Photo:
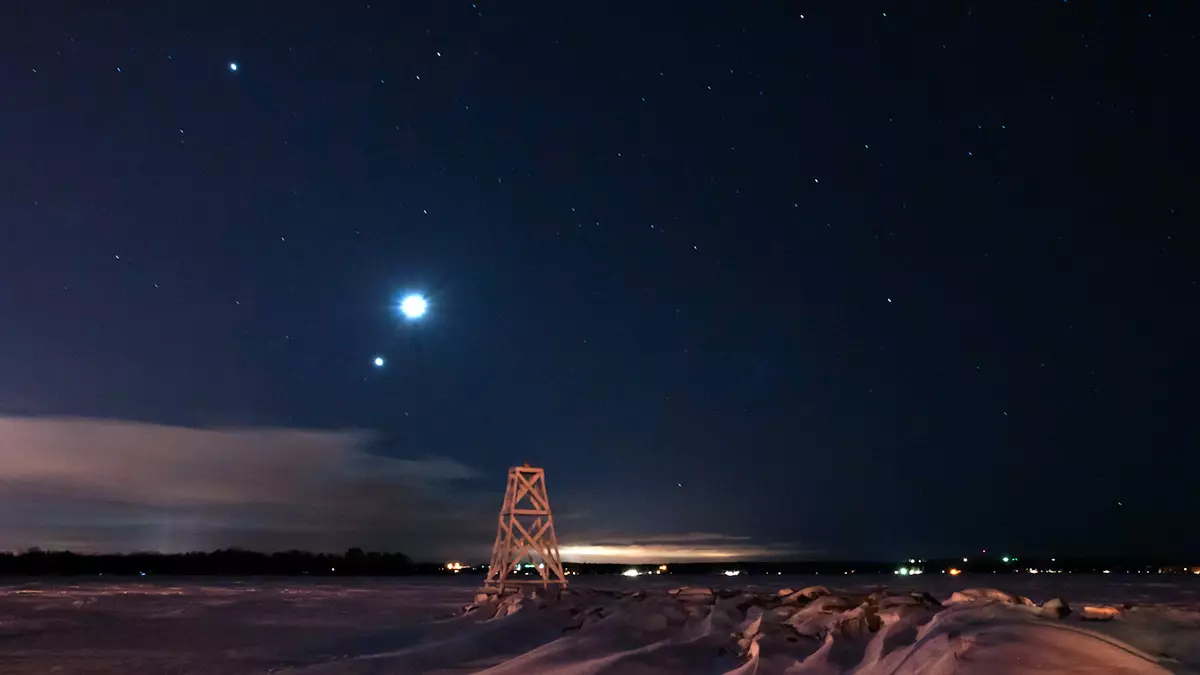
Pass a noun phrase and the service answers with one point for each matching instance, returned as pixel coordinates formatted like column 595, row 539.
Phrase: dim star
column 413, row 306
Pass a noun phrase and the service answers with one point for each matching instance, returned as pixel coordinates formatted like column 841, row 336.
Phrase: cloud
column 104, row 485
column 683, row 547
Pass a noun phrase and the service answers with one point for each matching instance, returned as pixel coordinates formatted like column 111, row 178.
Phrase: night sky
column 805, row 280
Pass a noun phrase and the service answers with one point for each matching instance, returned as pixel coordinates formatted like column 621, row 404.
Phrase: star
column 233, row 66
column 379, row 361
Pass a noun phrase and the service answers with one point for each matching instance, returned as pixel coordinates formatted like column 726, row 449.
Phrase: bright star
column 379, row 362
column 233, row 66
column 413, row 306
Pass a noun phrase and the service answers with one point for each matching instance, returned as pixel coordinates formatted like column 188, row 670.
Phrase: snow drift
column 810, row 631
column 381, row 627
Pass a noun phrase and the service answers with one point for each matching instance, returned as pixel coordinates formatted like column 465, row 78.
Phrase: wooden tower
column 525, row 534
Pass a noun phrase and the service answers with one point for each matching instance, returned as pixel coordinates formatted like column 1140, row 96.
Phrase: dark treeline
column 225, row 562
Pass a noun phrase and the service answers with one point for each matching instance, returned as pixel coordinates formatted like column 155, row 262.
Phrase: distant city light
column 632, row 572
column 731, row 573
column 954, row 571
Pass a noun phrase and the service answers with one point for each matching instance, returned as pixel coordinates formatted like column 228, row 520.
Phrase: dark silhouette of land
column 224, row 562
column 357, row 563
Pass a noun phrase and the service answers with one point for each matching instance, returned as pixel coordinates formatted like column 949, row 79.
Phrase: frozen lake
column 411, row 626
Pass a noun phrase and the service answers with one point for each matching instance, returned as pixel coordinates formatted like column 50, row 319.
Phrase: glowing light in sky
column 634, row 554
column 379, row 361
column 413, row 306
column 233, row 66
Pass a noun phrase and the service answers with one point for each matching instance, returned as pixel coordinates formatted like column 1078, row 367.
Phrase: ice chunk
column 1055, row 608
column 1099, row 613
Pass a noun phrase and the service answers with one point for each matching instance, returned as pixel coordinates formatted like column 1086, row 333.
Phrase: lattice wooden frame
column 525, row 532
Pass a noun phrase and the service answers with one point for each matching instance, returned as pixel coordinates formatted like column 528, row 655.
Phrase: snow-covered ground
column 610, row 626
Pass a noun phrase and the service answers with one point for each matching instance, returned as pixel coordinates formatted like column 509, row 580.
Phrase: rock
column 890, row 602
column 779, row 614
column 675, row 615
column 783, row 592
column 651, row 622
column 748, row 633
column 1055, row 608
column 752, row 624
column 832, row 603
column 813, row 592
column 692, row 593
column 820, row 616
column 1099, row 613
column 859, row 622
column 805, row 595
column 926, row 598
column 508, row 605
column 976, row 594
